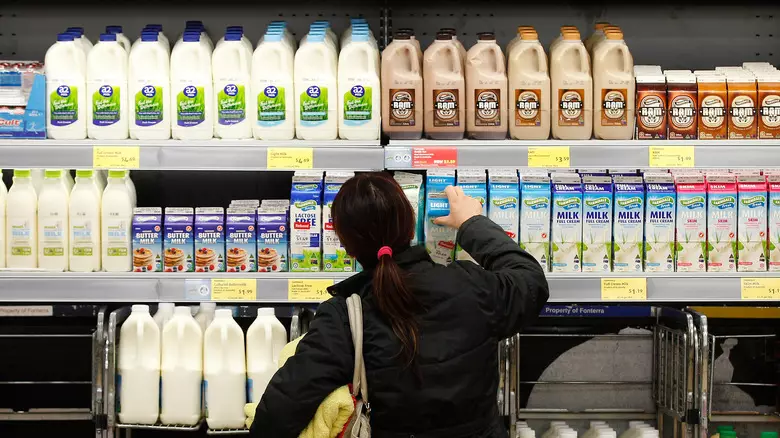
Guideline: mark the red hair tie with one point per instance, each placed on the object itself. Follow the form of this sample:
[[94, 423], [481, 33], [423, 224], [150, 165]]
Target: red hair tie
[[385, 250]]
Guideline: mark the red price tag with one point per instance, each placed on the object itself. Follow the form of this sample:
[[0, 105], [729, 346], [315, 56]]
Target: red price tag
[[432, 157]]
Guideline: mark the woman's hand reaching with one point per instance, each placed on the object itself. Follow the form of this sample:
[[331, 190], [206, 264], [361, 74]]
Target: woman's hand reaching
[[462, 208]]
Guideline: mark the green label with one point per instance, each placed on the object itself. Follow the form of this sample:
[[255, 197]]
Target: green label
[[314, 106], [82, 252], [357, 105], [105, 105], [53, 252], [64, 105], [116, 252], [149, 105], [231, 105], [21, 250], [190, 106], [271, 106]]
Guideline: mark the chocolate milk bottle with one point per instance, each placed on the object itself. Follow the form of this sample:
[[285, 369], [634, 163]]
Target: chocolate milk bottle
[[769, 106], [413, 39], [742, 95], [712, 107], [486, 90], [682, 106], [529, 89], [650, 106], [402, 89], [444, 89], [572, 89], [461, 48], [598, 31], [559, 38], [515, 40], [613, 85]]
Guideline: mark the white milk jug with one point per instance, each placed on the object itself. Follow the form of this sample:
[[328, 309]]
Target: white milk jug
[[529, 90], [224, 372], [272, 89], [316, 102], [66, 89], [613, 89], [138, 378], [163, 40], [192, 90], [120, 37], [264, 342], [81, 40], [116, 219], [53, 227], [182, 369], [84, 224], [21, 222], [149, 85], [359, 90], [163, 314], [107, 90], [205, 315], [3, 199], [231, 64], [572, 90]]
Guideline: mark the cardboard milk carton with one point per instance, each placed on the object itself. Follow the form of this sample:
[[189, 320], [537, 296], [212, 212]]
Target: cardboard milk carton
[[474, 184], [503, 205], [272, 240], [334, 256], [774, 223], [628, 224], [722, 223], [566, 231], [691, 249], [752, 224], [306, 222], [147, 239], [210, 239], [535, 211], [412, 185], [660, 215], [241, 240], [439, 240], [179, 240], [597, 206]]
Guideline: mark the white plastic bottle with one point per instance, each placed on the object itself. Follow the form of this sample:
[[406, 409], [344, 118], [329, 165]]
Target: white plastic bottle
[[224, 372], [181, 369], [65, 66], [316, 102], [192, 90], [359, 90], [231, 67], [265, 339], [21, 222], [205, 315], [3, 199], [163, 315], [116, 219], [149, 82], [84, 223], [83, 41], [107, 90], [272, 89], [131, 188], [138, 379], [120, 37], [53, 227], [163, 40]]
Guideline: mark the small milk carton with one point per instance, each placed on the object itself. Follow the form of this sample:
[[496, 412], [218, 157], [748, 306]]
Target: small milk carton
[[535, 210], [412, 185], [503, 205], [179, 240], [774, 223], [752, 224], [210, 239], [334, 256], [240, 240], [306, 222], [722, 223], [272, 241], [691, 249], [439, 240], [597, 200], [474, 184], [660, 215], [628, 224], [147, 239], [566, 231]]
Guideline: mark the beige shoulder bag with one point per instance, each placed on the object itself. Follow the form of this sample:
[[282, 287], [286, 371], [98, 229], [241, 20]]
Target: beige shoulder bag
[[358, 425]]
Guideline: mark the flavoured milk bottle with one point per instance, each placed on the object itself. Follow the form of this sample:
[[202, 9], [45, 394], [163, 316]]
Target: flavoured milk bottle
[[107, 90], [518, 37], [316, 89], [564, 30], [181, 369], [529, 89], [486, 85], [84, 224], [21, 222], [402, 89], [614, 89], [359, 90], [138, 368], [3, 199], [231, 66], [272, 89], [116, 221], [265, 339], [444, 89], [192, 90], [598, 32], [66, 89], [120, 37], [149, 83], [572, 89], [224, 372], [53, 223]]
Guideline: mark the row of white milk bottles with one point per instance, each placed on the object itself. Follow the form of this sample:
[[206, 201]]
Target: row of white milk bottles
[[598, 429], [168, 362], [58, 224]]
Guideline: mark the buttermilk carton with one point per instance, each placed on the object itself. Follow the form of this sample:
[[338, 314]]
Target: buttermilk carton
[[722, 223], [306, 222], [660, 215], [503, 205], [412, 186], [272, 241], [773, 247], [439, 240], [240, 240], [535, 211], [147, 239], [752, 224], [210, 239], [474, 184], [334, 256], [597, 200], [628, 224], [691, 249], [566, 228], [179, 241]]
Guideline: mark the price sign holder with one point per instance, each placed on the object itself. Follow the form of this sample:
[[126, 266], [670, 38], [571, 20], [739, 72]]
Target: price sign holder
[[233, 289], [434, 157], [549, 156], [672, 156], [290, 158], [116, 157], [623, 289], [760, 289], [311, 290]]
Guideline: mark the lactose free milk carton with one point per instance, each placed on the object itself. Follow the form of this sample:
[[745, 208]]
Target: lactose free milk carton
[[660, 214], [535, 210], [566, 229], [474, 184], [722, 223], [147, 239], [503, 205], [334, 256], [272, 241], [439, 240], [412, 186], [178, 241], [628, 224], [241, 240], [752, 224], [691, 249], [306, 222], [597, 201], [774, 223], [210, 239]]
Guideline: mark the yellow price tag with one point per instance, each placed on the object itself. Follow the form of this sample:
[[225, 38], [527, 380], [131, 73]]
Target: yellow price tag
[[623, 289], [233, 289], [672, 156], [552, 156], [767, 289], [290, 158], [116, 157], [308, 290]]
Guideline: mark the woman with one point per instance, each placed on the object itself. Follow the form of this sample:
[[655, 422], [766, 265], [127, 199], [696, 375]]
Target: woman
[[431, 332]]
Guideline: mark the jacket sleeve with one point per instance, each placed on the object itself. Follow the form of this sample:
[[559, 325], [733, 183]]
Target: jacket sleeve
[[322, 363], [511, 279]]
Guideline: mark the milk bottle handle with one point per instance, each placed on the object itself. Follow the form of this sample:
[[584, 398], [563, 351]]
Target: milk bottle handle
[[455, 58], [627, 62], [242, 60], [410, 52], [540, 57], [497, 55], [139, 332], [584, 59], [269, 339]]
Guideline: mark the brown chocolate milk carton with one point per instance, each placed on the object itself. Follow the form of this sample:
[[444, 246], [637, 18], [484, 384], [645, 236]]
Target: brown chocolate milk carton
[[486, 90], [444, 89], [402, 89], [713, 122], [742, 97], [651, 106], [769, 106], [682, 105]]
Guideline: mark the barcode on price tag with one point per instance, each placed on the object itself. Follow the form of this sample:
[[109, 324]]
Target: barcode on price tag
[[765, 289], [308, 290], [623, 289], [233, 289]]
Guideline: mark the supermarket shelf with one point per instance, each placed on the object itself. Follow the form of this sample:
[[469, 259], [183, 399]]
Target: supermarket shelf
[[191, 155], [591, 153]]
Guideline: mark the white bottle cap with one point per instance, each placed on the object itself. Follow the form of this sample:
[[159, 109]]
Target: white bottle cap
[[633, 424], [208, 306], [182, 310], [141, 308], [223, 313], [266, 311], [526, 432], [165, 306], [597, 423]]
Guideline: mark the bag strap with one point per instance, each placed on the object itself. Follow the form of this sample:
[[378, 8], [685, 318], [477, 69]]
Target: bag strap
[[359, 381]]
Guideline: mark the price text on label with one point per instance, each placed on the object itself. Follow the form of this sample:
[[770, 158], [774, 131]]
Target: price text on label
[[233, 289], [116, 157], [767, 289], [623, 289], [556, 156], [290, 158], [426, 158], [308, 290], [672, 156]]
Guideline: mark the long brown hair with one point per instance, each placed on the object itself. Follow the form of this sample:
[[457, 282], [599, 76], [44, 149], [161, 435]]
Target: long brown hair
[[369, 212]]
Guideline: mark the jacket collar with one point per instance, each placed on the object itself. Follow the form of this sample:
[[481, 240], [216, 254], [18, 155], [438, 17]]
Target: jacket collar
[[359, 282]]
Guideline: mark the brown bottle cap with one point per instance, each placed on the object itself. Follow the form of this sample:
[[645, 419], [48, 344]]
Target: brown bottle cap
[[520, 29], [571, 35], [610, 27], [449, 30], [443, 36], [600, 25], [402, 35], [569, 27], [486, 36], [614, 34], [408, 30], [529, 35]]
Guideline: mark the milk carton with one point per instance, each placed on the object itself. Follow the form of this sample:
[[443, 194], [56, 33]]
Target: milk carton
[[660, 214], [412, 185], [210, 239], [566, 231], [628, 225], [272, 232], [334, 256], [535, 209], [597, 200], [147, 239], [691, 249], [773, 247], [439, 240], [178, 241], [240, 240], [306, 220], [474, 184], [752, 223], [722, 223], [503, 205]]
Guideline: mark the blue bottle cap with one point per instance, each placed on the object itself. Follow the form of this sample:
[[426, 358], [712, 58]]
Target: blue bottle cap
[[157, 27], [113, 29], [233, 36], [108, 37], [79, 30], [191, 36], [150, 35], [65, 37], [236, 28]]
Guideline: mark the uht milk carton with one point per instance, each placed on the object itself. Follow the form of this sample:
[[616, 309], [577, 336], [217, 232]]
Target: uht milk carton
[[412, 185], [773, 247], [334, 256], [691, 249], [178, 242], [597, 200], [210, 239], [660, 215], [147, 239], [566, 229], [752, 223], [628, 224], [306, 222], [535, 209], [474, 184], [722, 223], [439, 240], [240, 240], [503, 205], [272, 241]]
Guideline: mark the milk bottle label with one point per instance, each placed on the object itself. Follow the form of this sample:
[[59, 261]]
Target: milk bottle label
[[240, 241], [713, 112], [314, 106], [52, 240], [21, 234], [571, 103], [82, 236], [272, 241], [149, 105], [209, 239], [527, 105], [190, 106], [105, 105], [613, 112], [178, 240], [770, 116], [147, 240], [488, 107], [64, 105], [445, 108], [118, 241], [402, 107], [231, 105], [271, 106], [357, 105]]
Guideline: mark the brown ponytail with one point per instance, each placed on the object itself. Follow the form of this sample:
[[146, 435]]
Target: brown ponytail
[[397, 302]]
